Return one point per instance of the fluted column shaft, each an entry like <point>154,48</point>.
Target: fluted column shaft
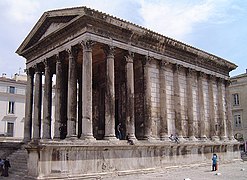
<point>79,103</point>
<point>58,98</point>
<point>202,126</point>
<point>147,99</point>
<point>130,111</point>
<point>190,105</point>
<point>213,133</point>
<point>228,111</point>
<point>37,104</point>
<point>163,106</point>
<point>87,121</point>
<point>177,103</point>
<point>222,120</point>
<point>109,94</point>
<point>47,102</point>
<point>28,106</point>
<point>72,96</point>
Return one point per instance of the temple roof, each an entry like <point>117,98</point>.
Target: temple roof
<point>54,21</point>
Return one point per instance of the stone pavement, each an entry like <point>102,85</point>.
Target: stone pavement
<point>231,171</point>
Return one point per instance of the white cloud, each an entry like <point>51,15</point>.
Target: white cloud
<point>20,11</point>
<point>176,20</point>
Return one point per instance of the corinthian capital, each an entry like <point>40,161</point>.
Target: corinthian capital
<point>163,63</point>
<point>87,45</point>
<point>129,57</point>
<point>147,60</point>
<point>109,50</point>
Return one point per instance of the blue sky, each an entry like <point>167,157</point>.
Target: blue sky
<point>215,26</point>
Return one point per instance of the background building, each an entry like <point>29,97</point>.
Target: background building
<point>238,91</point>
<point>12,105</point>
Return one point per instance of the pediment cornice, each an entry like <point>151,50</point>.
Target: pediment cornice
<point>73,20</point>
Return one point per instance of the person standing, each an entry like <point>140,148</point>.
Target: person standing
<point>1,166</point>
<point>129,141</point>
<point>119,131</point>
<point>6,168</point>
<point>214,161</point>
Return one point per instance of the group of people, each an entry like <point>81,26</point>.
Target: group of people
<point>4,167</point>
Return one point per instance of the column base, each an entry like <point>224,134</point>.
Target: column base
<point>88,138</point>
<point>224,138</point>
<point>111,138</point>
<point>149,138</point>
<point>215,138</point>
<point>164,138</point>
<point>231,138</point>
<point>193,138</point>
<point>181,139</point>
<point>132,137</point>
<point>71,138</point>
<point>204,138</point>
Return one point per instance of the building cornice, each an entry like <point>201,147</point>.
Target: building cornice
<point>88,20</point>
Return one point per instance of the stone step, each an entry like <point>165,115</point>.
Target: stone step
<point>18,162</point>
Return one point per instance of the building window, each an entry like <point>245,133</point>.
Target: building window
<point>10,129</point>
<point>235,99</point>
<point>237,120</point>
<point>12,90</point>
<point>11,107</point>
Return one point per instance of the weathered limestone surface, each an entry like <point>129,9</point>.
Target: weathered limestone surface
<point>166,88</point>
<point>58,159</point>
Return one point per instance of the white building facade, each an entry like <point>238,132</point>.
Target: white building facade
<point>12,106</point>
<point>238,90</point>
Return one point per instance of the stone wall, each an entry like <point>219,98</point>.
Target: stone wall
<point>62,160</point>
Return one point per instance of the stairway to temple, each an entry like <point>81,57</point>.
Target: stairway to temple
<point>18,162</point>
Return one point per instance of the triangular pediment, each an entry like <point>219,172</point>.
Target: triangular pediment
<point>52,28</point>
<point>49,23</point>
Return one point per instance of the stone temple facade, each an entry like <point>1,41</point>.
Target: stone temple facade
<point>108,71</point>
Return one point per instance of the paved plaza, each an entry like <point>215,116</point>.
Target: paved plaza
<point>230,171</point>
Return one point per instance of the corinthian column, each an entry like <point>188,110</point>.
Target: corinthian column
<point>28,106</point>
<point>58,98</point>
<point>213,133</point>
<point>87,121</point>
<point>47,102</point>
<point>228,111</point>
<point>147,99</point>
<point>130,111</point>
<point>72,96</point>
<point>177,103</point>
<point>163,106</point>
<point>190,105</point>
<point>222,120</point>
<point>37,104</point>
<point>109,95</point>
<point>202,126</point>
